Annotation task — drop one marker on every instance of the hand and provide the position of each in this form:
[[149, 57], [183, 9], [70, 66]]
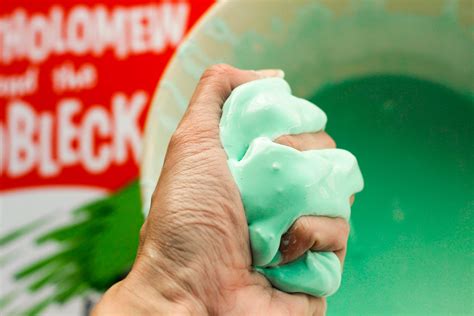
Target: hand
[[194, 255]]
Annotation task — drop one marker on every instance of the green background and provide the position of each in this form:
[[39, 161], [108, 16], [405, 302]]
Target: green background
[[411, 247]]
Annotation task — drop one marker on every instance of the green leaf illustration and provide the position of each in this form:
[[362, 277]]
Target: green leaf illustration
[[96, 249]]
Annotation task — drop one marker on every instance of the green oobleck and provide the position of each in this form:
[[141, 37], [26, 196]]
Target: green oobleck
[[411, 251], [278, 184]]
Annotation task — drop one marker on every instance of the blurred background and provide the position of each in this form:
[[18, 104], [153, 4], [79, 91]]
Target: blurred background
[[90, 93]]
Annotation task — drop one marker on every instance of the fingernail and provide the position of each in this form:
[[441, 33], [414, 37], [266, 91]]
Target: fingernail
[[270, 73]]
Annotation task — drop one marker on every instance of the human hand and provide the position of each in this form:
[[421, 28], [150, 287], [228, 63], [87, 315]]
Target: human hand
[[194, 255]]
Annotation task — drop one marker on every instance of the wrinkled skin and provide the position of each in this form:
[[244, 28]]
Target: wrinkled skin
[[194, 255]]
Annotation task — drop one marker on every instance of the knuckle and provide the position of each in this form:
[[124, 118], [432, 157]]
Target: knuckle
[[184, 135], [303, 226], [345, 230], [316, 238], [329, 142], [142, 234], [216, 71], [178, 138], [342, 235]]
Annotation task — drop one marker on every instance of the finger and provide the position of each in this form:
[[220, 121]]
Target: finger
[[316, 306], [341, 254], [217, 83], [307, 141], [301, 304], [315, 233]]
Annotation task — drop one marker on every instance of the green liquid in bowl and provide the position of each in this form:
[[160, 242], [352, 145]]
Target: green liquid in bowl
[[411, 247]]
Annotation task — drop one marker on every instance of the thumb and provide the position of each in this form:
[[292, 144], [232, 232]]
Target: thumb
[[214, 87]]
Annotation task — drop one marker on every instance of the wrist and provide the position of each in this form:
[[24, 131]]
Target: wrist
[[145, 292]]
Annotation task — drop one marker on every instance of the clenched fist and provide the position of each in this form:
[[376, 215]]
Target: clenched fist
[[194, 255]]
